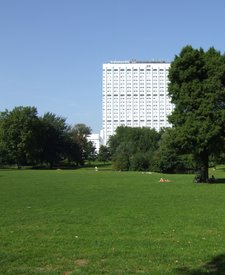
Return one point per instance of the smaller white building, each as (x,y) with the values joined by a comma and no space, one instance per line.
(96,140)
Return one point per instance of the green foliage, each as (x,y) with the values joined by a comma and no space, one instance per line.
(19,138)
(55,138)
(168,159)
(90,152)
(197,88)
(121,157)
(104,154)
(140,161)
(79,134)
(133,148)
(26,139)
(81,130)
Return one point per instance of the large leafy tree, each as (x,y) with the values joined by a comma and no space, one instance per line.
(19,136)
(55,138)
(197,89)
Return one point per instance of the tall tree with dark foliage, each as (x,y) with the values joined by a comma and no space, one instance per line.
(197,89)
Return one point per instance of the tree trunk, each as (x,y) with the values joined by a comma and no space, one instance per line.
(204,174)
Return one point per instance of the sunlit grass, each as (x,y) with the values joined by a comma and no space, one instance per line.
(87,222)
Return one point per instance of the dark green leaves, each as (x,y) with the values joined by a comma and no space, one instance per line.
(197,88)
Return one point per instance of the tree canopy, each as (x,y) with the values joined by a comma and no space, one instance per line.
(27,139)
(54,138)
(104,153)
(133,148)
(197,90)
(19,139)
(79,133)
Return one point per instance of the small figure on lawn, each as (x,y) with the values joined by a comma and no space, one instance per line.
(164,180)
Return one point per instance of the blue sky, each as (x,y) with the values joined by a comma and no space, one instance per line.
(52,51)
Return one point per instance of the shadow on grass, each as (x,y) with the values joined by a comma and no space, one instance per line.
(216,266)
(222,180)
(62,166)
(217,181)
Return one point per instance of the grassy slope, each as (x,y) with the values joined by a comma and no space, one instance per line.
(86,222)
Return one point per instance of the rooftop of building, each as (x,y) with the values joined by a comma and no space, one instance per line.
(134,61)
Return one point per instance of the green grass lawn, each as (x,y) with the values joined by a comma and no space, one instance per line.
(105,222)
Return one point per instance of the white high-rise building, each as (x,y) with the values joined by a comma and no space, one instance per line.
(134,94)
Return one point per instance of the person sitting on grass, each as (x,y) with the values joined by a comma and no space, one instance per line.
(164,180)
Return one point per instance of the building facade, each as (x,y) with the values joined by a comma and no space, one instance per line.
(96,141)
(134,94)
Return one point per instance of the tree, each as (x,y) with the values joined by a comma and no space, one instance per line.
(133,148)
(72,152)
(197,89)
(122,155)
(90,151)
(81,130)
(19,136)
(104,154)
(140,161)
(55,138)
(26,139)
(168,158)
(79,135)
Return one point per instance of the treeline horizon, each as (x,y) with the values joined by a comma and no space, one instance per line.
(27,139)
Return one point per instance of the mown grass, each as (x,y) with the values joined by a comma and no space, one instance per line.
(105,222)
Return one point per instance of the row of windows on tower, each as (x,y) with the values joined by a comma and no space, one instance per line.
(146,82)
(135,79)
(130,75)
(134,76)
(144,118)
(141,99)
(142,113)
(135,93)
(135,70)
